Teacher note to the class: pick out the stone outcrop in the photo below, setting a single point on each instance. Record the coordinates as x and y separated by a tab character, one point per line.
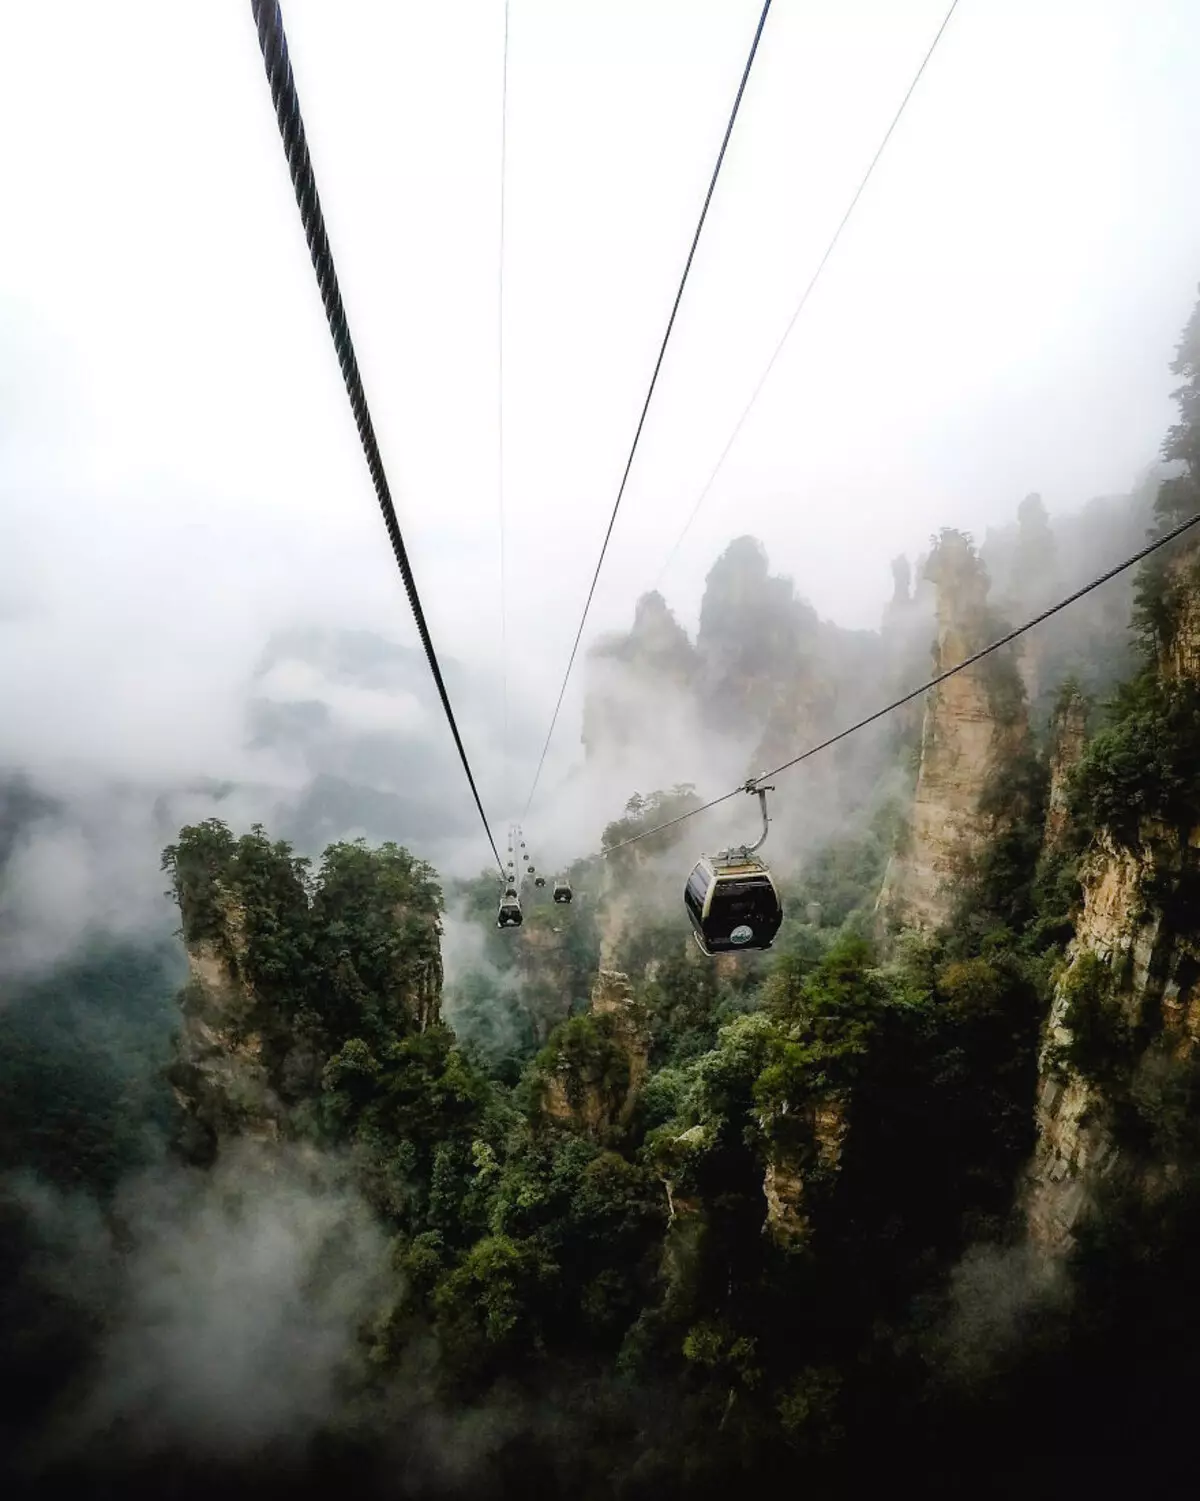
219	1074
975	724
1181	657
595	1080
253	1042
1068	735
813	1151
620	906
907	625
628	673
765	678
1073	1144
612	995
1138	923
1150	959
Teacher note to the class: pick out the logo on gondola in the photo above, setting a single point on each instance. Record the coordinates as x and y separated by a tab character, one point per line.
741	934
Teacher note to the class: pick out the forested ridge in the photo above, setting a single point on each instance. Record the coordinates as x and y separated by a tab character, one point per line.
585	1213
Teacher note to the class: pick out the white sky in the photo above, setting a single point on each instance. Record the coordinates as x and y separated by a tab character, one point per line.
178	467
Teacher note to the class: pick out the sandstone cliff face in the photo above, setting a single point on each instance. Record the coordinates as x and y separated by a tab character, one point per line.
620	908
628	675
1137	923
1151	961
250	1053
1073	1143
219	1074
1182	657
594	1088
815	1152
1068	735
612	995
765	678
974	724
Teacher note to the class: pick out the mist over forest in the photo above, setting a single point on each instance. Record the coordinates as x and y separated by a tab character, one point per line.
336	1194
318	1171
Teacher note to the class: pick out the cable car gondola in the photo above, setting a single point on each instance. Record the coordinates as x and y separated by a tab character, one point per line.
529	868
731	897
509	914
539	881
562	889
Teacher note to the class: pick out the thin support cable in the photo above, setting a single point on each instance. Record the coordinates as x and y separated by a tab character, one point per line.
268	20
500	410
808	291
933	682
650	393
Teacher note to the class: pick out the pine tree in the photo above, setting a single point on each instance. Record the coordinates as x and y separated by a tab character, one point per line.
1178	498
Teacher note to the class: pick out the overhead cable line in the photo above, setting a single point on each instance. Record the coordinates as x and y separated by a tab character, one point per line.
500	410
649	394
808	291
907	698
269	21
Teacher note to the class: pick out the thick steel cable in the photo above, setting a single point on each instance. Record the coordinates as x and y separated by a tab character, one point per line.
650	393
933	682
808	291
269	21
500	408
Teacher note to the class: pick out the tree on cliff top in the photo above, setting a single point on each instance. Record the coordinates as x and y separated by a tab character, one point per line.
1180	497
1156	594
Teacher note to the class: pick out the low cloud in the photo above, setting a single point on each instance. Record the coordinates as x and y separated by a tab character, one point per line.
230	1303
352	708
998	1299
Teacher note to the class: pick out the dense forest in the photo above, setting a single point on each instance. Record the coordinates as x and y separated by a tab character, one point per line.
373	1193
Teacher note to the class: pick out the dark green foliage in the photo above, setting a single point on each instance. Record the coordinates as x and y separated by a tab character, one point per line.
588	1054
375	920
643	813
1161	584
83	1047
489	1306
1056	894
350	953
1101	1038
997	890
194	864
940	1058
1144	763
683	1005
1182	442
413	1109
759	1263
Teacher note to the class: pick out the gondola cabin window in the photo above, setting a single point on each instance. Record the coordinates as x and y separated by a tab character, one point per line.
696	890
